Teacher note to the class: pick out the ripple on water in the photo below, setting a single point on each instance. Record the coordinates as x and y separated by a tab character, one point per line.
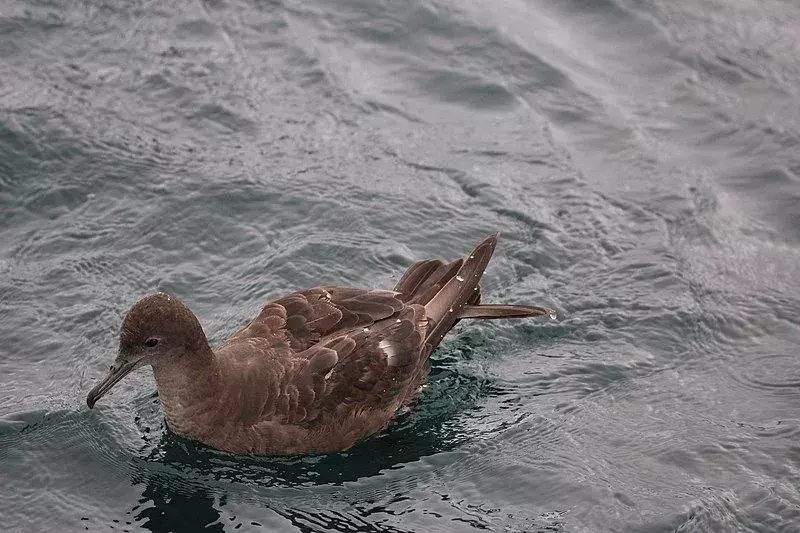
767	372
35	442
722	509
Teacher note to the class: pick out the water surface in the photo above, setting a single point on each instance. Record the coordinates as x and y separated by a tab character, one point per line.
640	158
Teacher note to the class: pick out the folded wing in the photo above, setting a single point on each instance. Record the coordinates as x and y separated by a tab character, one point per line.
334	349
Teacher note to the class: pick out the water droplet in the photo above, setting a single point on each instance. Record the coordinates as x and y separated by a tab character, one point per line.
472	257
398	320
459	278
553	314
366	330
451	309
476	288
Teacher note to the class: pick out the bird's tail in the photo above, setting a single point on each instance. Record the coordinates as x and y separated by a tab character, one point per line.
450	292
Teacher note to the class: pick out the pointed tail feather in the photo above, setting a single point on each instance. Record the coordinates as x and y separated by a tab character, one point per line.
501	311
415	278
444	308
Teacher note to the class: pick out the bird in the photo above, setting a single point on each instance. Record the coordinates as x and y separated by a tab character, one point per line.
316	371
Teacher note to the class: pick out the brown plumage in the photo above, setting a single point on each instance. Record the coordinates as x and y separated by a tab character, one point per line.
316	371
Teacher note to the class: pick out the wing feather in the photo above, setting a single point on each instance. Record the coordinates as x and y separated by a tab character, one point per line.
330	348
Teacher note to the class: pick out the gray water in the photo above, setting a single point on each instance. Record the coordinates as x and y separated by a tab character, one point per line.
640	158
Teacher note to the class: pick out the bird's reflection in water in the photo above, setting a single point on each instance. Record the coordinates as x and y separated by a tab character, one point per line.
163	509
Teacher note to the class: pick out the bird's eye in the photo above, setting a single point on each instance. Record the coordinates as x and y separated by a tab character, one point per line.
151	342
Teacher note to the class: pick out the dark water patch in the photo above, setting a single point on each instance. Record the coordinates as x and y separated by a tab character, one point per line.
33	140
163	85
772	196
68	198
464	90
196	28
221	117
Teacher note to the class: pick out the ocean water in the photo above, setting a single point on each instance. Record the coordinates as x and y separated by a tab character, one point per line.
640	158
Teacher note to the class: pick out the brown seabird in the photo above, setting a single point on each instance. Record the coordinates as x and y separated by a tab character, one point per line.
316	371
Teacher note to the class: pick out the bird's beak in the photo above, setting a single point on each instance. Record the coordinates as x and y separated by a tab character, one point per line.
119	370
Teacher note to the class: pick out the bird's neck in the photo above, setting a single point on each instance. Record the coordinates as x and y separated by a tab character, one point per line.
187	388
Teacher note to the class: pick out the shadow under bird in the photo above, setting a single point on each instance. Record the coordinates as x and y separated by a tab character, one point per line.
316	371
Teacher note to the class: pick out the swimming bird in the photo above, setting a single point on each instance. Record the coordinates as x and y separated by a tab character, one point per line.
316	371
